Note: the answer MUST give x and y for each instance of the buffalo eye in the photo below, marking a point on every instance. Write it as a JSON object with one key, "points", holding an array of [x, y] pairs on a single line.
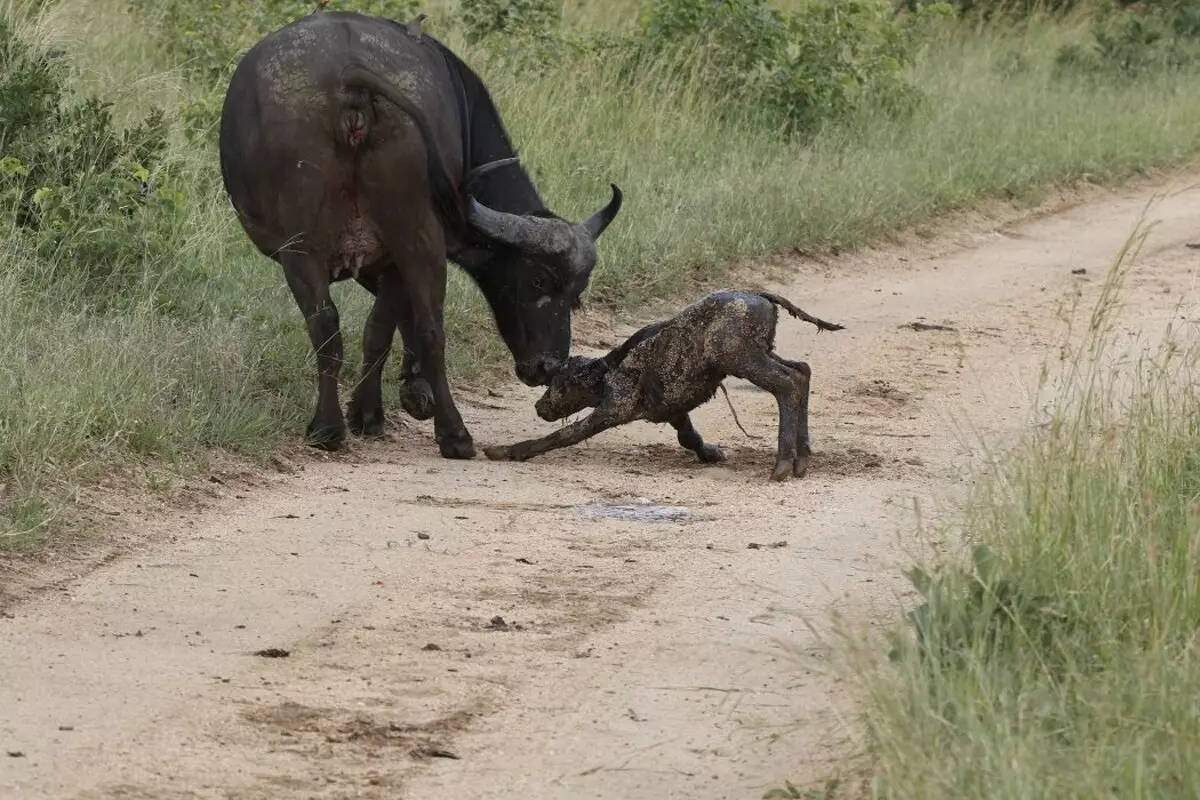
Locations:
{"points": [[541, 301]]}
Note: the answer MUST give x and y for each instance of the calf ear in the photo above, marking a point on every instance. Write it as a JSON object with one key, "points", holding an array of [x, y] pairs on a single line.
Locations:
{"points": [[595, 371]]}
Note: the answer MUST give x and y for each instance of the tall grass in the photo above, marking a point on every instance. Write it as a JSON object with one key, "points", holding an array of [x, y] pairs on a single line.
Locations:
{"points": [[210, 352], [1065, 663]]}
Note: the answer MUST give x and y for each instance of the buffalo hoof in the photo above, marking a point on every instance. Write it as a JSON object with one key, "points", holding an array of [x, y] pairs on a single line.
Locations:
{"points": [[799, 466], [323, 438], [366, 425], [711, 454], [783, 470], [416, 398], [457, 447]]}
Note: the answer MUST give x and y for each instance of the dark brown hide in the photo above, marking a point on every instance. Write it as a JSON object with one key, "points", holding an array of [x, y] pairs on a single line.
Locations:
{"points": [[667, 369], [347, 144]]}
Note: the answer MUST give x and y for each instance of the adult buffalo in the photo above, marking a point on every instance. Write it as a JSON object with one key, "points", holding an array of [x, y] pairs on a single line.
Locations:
{"points": [[348, 144]]}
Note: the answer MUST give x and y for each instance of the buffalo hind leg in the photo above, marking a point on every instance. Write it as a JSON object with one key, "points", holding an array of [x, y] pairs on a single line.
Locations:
{"points": [[308, 279], [416, 395], [601, 419], [691, 439], [421, 267], [366, 407], [769, 374], [803, 446]]}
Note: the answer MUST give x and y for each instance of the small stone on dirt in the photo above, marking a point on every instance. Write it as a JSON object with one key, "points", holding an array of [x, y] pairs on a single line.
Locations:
{"points": [[66, 727], [432, 646], [437, 753], [497, 623], [15, 754], [422, 535], [524, 561], [1080, 271], [927, 326], [273, 652]]}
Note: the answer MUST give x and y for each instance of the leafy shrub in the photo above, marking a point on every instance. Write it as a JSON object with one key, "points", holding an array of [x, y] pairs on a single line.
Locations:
{"points": [[517, 18], [1136, 42], [208, 38], [823, 62], [95, 201], [1006, 9], [524, 36]]}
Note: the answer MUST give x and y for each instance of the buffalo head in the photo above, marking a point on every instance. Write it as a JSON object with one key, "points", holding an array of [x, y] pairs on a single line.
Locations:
{"points": [[536, 278]]}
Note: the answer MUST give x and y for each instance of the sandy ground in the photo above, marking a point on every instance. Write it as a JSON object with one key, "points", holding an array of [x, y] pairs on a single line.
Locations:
{"points": [[460, 630]]}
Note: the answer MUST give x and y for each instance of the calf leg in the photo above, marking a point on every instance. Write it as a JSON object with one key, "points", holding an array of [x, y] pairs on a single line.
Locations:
{"points": [[366, 408], [690, 438], [770, 375], [601, 419], [308, 279], [803, 447]]}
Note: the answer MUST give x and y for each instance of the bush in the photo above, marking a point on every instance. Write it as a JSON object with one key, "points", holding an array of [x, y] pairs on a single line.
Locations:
{"points": [[96, 201], [821, 63], [207, 39], [1136, 43], [514, 18]]}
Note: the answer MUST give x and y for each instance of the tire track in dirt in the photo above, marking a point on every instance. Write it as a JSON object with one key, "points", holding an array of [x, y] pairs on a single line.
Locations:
{"points": [[463, 629]]}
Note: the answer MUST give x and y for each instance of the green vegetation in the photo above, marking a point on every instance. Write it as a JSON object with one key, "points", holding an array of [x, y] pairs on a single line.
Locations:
{"points": [[139, 328], [1062, 662]]}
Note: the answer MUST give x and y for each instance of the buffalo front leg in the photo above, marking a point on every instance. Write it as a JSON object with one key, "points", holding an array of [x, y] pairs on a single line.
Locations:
{"points": [[770, 375], [309, 282], [366, 408], [599, 420], [691, 439]]}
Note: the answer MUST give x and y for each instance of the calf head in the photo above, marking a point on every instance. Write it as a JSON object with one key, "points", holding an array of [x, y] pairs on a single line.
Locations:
{"points": [[577, 385], [541, 267]]}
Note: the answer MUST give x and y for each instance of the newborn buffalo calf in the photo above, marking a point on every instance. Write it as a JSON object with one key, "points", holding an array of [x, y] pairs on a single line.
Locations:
{"points": [[668, 368]]}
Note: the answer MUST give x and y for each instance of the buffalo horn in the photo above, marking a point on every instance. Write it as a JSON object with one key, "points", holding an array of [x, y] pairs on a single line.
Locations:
{"points": [[596, 223]]}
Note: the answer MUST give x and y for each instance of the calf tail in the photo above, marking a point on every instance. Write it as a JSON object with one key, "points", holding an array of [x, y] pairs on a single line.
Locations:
{"points": [[799, 313]]}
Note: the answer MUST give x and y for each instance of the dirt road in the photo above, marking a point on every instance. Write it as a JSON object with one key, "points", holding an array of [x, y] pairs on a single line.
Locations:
{"points": [[459, 630]]}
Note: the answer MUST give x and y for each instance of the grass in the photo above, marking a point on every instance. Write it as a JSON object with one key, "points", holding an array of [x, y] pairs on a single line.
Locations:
{"points": [[212, 356], [1065, 663]]}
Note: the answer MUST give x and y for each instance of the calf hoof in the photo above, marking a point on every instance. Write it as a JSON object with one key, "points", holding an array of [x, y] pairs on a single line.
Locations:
{"points": [[325, 438], [366, 425], [799, 466], [459, 446], [416, 398], [711, 454], [499, 452], [782, 471]]}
